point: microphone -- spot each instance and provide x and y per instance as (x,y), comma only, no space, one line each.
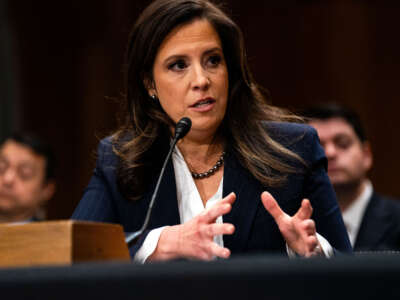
(181,129)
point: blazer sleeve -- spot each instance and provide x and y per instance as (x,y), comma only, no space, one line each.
(317,188)
(96,203)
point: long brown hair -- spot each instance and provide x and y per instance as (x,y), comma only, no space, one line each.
(145,132)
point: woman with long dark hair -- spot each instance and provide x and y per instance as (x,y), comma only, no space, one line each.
(238,180)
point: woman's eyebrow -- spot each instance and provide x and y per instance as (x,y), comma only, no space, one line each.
(214,49)
(180,56)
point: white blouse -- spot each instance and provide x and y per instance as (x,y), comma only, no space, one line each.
(189,204)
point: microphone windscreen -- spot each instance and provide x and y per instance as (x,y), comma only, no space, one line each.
(182,127)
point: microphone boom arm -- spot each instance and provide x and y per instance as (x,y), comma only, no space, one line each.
(181,129)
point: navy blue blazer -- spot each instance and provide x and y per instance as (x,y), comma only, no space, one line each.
(380,226)
(256,230)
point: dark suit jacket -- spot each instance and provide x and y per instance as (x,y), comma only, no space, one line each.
(256,230)
(380,226)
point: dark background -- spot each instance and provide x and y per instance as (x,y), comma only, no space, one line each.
(61,72)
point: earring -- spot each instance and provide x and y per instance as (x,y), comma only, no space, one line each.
(154,97)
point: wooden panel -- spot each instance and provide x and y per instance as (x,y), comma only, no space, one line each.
(60,242)
(35,243)
(98,241)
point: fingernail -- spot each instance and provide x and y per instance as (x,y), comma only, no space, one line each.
(226,253)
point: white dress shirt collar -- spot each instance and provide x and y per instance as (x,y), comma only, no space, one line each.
(354,214)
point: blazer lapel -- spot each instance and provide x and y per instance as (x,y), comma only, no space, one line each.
(376,222)
(165,210)
(248,191)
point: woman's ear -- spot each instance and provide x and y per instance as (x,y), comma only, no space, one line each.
(150,86)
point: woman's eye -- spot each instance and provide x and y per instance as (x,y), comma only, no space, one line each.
(214,60)
(177,66)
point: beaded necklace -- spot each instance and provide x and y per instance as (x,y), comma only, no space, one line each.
(211,171)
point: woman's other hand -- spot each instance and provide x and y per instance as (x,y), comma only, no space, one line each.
(298,231)
(195,238)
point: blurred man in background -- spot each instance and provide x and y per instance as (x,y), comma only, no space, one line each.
(372,221)
(26,178)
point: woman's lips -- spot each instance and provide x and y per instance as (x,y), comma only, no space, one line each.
(203,105)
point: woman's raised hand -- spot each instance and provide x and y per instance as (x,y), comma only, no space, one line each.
(195,238)
(298,231)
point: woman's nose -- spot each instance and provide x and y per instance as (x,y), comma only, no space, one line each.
(200,78)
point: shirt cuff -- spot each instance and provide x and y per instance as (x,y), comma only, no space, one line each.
(325,245)
(148,246)
(327,249)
